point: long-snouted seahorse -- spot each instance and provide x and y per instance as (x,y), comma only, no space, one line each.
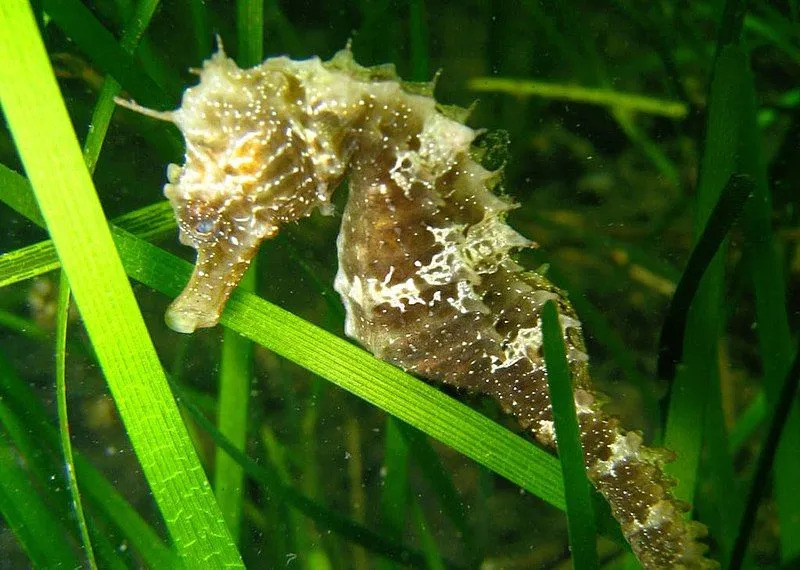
(425,271)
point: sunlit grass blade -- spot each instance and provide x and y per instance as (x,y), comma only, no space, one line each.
(578,490)
(102,292)
(62,316)
(450,500)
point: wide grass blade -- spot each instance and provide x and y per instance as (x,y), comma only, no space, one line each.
(65,194)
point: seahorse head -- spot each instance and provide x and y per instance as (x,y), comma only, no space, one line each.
(252,164)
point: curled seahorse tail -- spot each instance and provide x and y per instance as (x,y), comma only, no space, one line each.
(631,478)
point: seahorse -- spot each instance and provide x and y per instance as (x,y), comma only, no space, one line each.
(426,272)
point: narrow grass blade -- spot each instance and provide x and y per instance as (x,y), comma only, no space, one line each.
(433,558)
(235,374)
(249,32)
(65,195)
(726,211)
(19,404)
(450,500)
(100,45)
(201,28)
(764,262)
(394,491)
(577,489)
(765,268)
(787,399)
(101,116)
(355,482)
(62,315)
(418,33)
(700,369)
(748,421)
(30,519)
(325,518)
(20,439)
(575,93)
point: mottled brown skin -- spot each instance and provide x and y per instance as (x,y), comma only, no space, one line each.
(425,271)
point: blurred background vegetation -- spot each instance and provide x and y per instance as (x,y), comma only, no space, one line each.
(607,189)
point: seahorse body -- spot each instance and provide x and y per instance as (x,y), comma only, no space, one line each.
(425,271)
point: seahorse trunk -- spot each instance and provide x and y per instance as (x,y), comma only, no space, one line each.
(428,283)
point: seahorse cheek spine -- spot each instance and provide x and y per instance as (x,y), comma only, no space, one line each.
(425,269)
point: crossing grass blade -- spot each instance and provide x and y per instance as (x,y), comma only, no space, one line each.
(422,406)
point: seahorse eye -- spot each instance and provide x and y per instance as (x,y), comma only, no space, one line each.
(204,227)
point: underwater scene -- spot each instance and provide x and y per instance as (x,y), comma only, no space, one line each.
(319,285)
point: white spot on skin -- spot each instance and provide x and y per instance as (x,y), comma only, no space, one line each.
(517,349)
(625,447)
(546,432)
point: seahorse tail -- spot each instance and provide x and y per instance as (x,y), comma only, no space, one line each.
(631,478)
